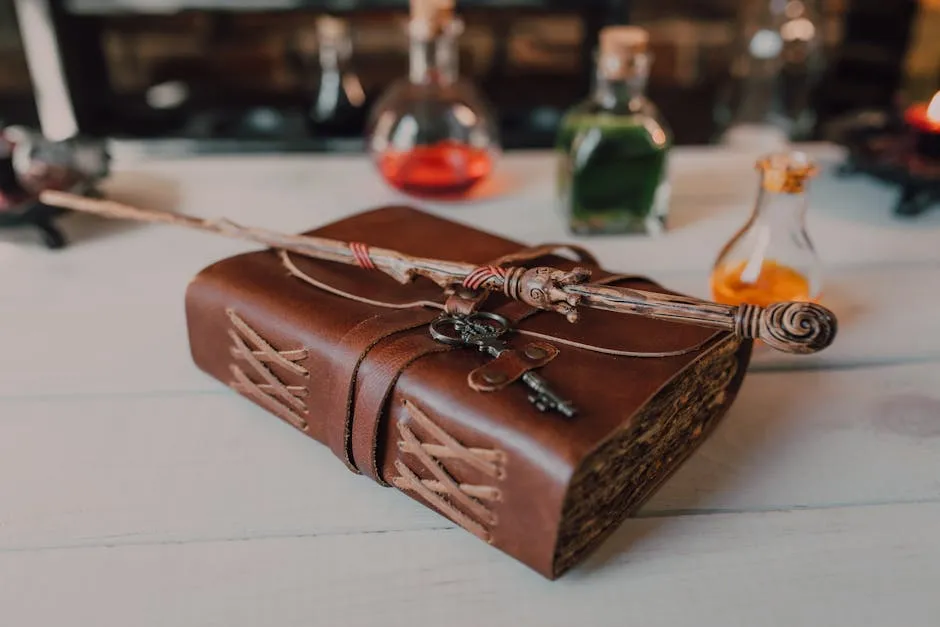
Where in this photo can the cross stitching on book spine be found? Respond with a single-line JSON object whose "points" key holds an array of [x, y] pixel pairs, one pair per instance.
{"points": [[263, 361]]}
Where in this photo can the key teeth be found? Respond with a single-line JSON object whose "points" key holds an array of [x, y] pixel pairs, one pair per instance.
{"points": [[539, 403]]}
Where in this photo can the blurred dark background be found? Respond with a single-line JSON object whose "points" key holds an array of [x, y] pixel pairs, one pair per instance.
{"points": [[532, 58]]}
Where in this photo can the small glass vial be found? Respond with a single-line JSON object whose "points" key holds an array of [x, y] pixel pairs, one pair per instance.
{"points": [[432, 134], [771, 259], [613, 147], [776, 67], [336, 101]]}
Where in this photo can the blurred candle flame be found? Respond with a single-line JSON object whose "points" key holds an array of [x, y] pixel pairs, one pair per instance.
{"points": [[933, 109]]}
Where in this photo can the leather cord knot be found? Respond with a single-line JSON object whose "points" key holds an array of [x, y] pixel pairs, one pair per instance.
{"points": [[360, 253]]}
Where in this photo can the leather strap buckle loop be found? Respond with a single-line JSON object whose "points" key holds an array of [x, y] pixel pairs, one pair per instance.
{"points": [[510, 366]]}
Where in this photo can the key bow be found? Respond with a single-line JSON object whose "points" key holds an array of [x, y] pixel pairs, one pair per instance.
{"points": [[485, 330]]}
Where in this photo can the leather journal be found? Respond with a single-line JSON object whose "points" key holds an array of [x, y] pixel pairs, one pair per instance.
{"points": [[345, 357]]}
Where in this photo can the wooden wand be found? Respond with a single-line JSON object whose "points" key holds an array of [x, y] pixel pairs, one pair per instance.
{"points": [[792, 327]]}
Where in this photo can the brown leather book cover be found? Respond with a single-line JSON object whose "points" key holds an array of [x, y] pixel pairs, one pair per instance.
{"points": [[345, 356]]}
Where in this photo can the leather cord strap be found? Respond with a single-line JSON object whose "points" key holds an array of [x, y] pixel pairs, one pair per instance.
{"points": [[343, 372], [378, 374]]}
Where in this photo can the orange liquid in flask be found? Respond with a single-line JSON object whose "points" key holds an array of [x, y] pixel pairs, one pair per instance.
{"points": [[775, 283]]}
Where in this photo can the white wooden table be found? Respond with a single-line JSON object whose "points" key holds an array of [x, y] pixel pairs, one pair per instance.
{"points": [[136, 491]]}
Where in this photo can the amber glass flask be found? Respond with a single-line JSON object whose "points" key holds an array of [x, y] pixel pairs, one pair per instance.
{"points": [[771, 258], [432, 134]]}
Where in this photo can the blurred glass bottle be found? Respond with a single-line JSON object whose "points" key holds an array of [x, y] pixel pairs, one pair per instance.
{"points": [[777, 62], [613, 147], [432, 134], [336, 101], [771, 258]]}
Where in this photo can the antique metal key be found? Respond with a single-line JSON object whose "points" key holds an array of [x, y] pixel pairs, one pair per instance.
{"points": [[485, 331]]}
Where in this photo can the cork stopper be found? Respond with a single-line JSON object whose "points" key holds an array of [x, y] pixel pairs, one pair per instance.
{"points": [[328, 30], [786, 172], [431, 17], [623, 41], [623, 52], [331, 28]]}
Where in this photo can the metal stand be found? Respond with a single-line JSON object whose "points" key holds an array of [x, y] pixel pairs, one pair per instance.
{"points": [[886, 150], [40, 217]]}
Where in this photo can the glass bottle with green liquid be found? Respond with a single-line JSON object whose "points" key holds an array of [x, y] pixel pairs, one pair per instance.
{"points": [[613, 147]]}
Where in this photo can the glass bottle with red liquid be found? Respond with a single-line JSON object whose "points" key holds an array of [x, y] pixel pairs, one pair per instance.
{"points": [[432, 134], [771, 258]]}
